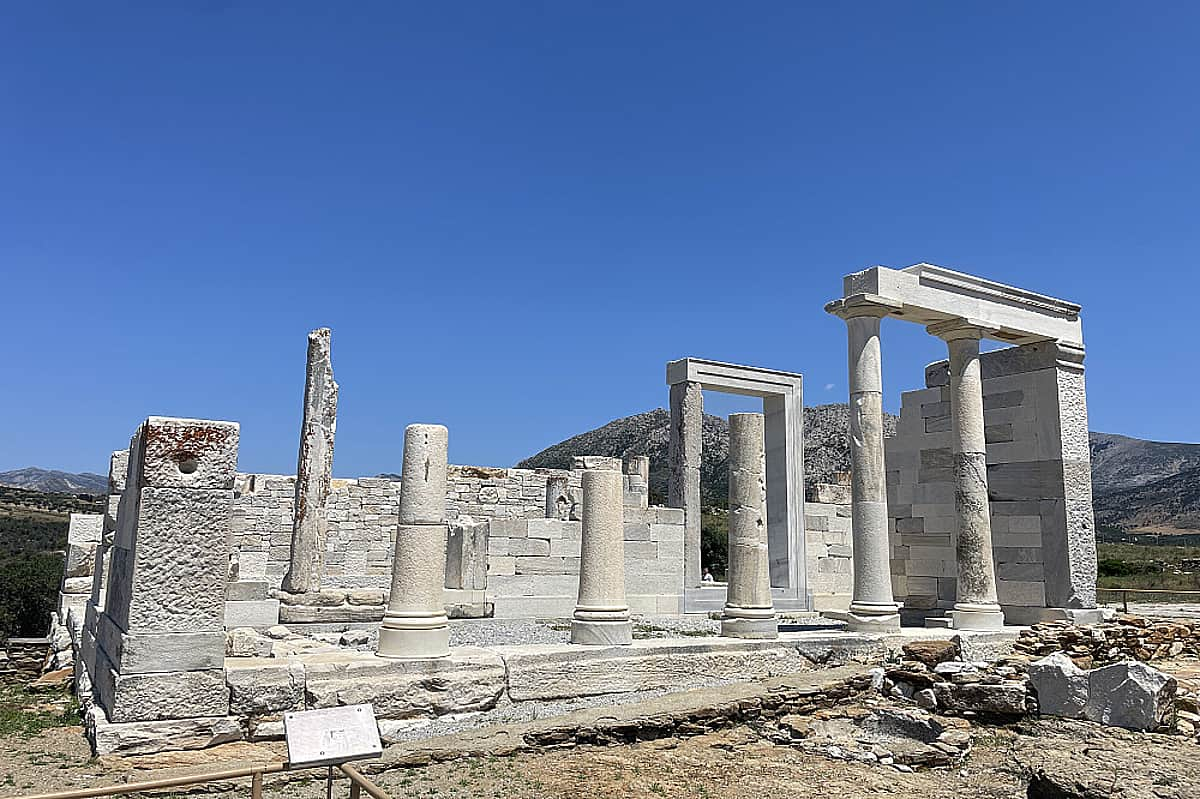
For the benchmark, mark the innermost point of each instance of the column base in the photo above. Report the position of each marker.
(866, 623)
(602, 633)
(738, 622)
(601, 625)
(414, 637)
(976, 617)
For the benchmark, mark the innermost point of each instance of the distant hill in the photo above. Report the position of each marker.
(826, 450)
(1168, 504)
(1120, 462)
(35, 479)
(1135, 483)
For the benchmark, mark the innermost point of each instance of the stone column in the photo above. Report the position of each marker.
(872, 607)
(160, 642)
(314, 468)
(976, 607)
(415, 624)
(749, 612)
(683, 486)
(602, 613)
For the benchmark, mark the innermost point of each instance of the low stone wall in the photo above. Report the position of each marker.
(1124, 638)
(21, 659)
(262, 689)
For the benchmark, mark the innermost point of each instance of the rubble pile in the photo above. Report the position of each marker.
(903, 738)
(1124, 638)
(933, 675)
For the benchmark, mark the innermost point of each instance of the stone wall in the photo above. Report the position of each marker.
(533, 564)
(827, 530)
(1039, 486)
(532, 561)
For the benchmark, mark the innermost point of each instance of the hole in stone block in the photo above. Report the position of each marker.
(187, 463)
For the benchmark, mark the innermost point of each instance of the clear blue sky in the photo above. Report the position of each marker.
(513, 214)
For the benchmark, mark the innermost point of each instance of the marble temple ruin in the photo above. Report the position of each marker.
(201, 604)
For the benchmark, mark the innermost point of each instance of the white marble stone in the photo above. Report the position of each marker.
(602, 613)
(415, 624)
(748, 612)
(872, 607)
(314, 469)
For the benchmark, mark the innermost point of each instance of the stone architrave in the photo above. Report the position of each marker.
(415, 624)
(602, 613)
(977, 607)
(160, 641)
(683, 482)
(872, 606)
(314, 468)
(749, 612)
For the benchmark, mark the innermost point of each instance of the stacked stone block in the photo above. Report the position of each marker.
(827, 523)
(85, 664)
(84, 532)
(533, 564)
(160, 639)
(1038, 473)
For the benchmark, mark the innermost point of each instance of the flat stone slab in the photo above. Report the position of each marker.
(469, 679)
(683, 713)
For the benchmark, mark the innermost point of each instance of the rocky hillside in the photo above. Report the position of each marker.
(1136, 483)
(1169, 503)
(35, 479)
(1120, 462)
(825, 447)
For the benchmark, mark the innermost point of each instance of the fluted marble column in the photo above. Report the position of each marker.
(976, 607)
(415, 624)
(602, 613)
(749, 611)
(872, 606)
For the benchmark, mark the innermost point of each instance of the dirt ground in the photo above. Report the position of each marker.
(735, 763)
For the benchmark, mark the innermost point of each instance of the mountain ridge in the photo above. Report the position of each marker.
(1135, 483)
(34, 478)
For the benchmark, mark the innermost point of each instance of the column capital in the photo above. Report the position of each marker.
(862, 305)
(960, 327)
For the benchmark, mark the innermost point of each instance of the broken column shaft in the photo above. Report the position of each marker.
(749, 612)
(415, 624)
(314, 468)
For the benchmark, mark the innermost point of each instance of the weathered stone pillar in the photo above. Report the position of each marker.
(314, 468)
(160, 640)
(749, 612)
(872, 607)
(636, 469)
(683, 483)
(558, 498)
(415, 624)
(85, 667)
(602, 613)
(976, 606)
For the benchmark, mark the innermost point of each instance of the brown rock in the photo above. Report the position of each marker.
(932, 652)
